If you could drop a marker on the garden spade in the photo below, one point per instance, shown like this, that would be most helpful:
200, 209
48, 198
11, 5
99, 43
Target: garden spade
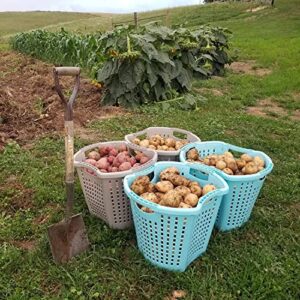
68, 237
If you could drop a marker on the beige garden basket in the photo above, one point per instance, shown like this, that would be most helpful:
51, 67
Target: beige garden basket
166, 132
104, 192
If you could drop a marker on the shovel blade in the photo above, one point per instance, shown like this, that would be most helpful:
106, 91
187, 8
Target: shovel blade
68, 238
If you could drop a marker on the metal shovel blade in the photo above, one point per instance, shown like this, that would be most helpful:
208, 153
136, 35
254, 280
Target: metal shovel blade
68, 238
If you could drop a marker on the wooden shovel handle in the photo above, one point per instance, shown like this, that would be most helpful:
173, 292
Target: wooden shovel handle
67, 71
69, 130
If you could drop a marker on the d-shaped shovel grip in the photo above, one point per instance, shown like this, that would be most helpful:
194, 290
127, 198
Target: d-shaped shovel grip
69, 131
67, 71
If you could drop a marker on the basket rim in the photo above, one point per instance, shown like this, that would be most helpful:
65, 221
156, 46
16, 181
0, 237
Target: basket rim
80, 164
128, 138
171, 210
260, 175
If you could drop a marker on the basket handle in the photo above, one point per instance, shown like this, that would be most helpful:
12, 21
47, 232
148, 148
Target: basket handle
81, 164
138, 133
210, 171
187, 133
128, 190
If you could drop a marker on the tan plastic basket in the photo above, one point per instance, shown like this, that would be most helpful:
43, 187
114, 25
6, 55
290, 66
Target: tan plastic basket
166, 132
104, 192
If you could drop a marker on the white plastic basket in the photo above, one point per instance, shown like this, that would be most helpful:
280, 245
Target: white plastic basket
165, 132
104, 192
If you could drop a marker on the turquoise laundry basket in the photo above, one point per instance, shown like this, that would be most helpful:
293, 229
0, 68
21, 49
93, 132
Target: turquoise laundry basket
171, 238
237, 204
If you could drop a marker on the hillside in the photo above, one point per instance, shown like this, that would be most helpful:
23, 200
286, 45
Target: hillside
13, 22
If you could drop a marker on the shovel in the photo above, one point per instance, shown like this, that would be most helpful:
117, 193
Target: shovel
68, 237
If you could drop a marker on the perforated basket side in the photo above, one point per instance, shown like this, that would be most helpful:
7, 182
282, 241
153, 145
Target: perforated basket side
117, 204
203, 228
93, 192
237, 205
163, 239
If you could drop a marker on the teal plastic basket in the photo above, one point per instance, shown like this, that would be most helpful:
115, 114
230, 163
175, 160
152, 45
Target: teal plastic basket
171, 238
237, 204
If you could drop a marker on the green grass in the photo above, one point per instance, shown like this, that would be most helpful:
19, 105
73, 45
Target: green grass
258, 261
13, 22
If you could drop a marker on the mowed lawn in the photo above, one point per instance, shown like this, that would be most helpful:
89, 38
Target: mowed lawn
261, 260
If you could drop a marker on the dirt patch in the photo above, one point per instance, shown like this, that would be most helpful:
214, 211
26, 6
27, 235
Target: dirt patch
230, 132
41, 219
267, 108
215, 92
296, 115
258, 8
296, 96
24, 245
248, 67
20, 197
294, 210
29, 105
49, 210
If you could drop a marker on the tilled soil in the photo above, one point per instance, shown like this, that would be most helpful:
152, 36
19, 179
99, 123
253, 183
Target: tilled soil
29, 105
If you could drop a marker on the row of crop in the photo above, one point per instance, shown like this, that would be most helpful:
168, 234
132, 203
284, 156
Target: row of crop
64, 48
136, 65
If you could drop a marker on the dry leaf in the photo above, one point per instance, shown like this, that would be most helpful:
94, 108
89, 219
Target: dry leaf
177, 294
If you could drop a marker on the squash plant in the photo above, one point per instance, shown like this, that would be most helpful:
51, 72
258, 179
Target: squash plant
152, 62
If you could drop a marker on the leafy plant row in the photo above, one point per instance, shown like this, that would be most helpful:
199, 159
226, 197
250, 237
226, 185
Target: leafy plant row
64, 48
152, 62
137, 65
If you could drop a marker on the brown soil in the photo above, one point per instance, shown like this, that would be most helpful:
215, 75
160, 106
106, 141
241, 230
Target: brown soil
258, 8
296, 96
29, 105
248, 67
215, 92
269, 109
49, 210
25, 245
296, 115
21, 198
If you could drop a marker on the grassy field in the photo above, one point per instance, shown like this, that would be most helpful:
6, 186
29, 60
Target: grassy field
258, 261
85, 22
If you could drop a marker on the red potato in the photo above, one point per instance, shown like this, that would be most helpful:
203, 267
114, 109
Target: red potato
122, 148
115, 169
136, 165
116, 162
102, 163
144, 159
91, 161
103, 170
109, 169
94, 155
113, 152
111, 159
121, 157
103, 151
125, 166
132, 161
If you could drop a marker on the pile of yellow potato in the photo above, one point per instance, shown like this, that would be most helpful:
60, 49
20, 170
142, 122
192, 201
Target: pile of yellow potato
173, 190
244, 165
157, 142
